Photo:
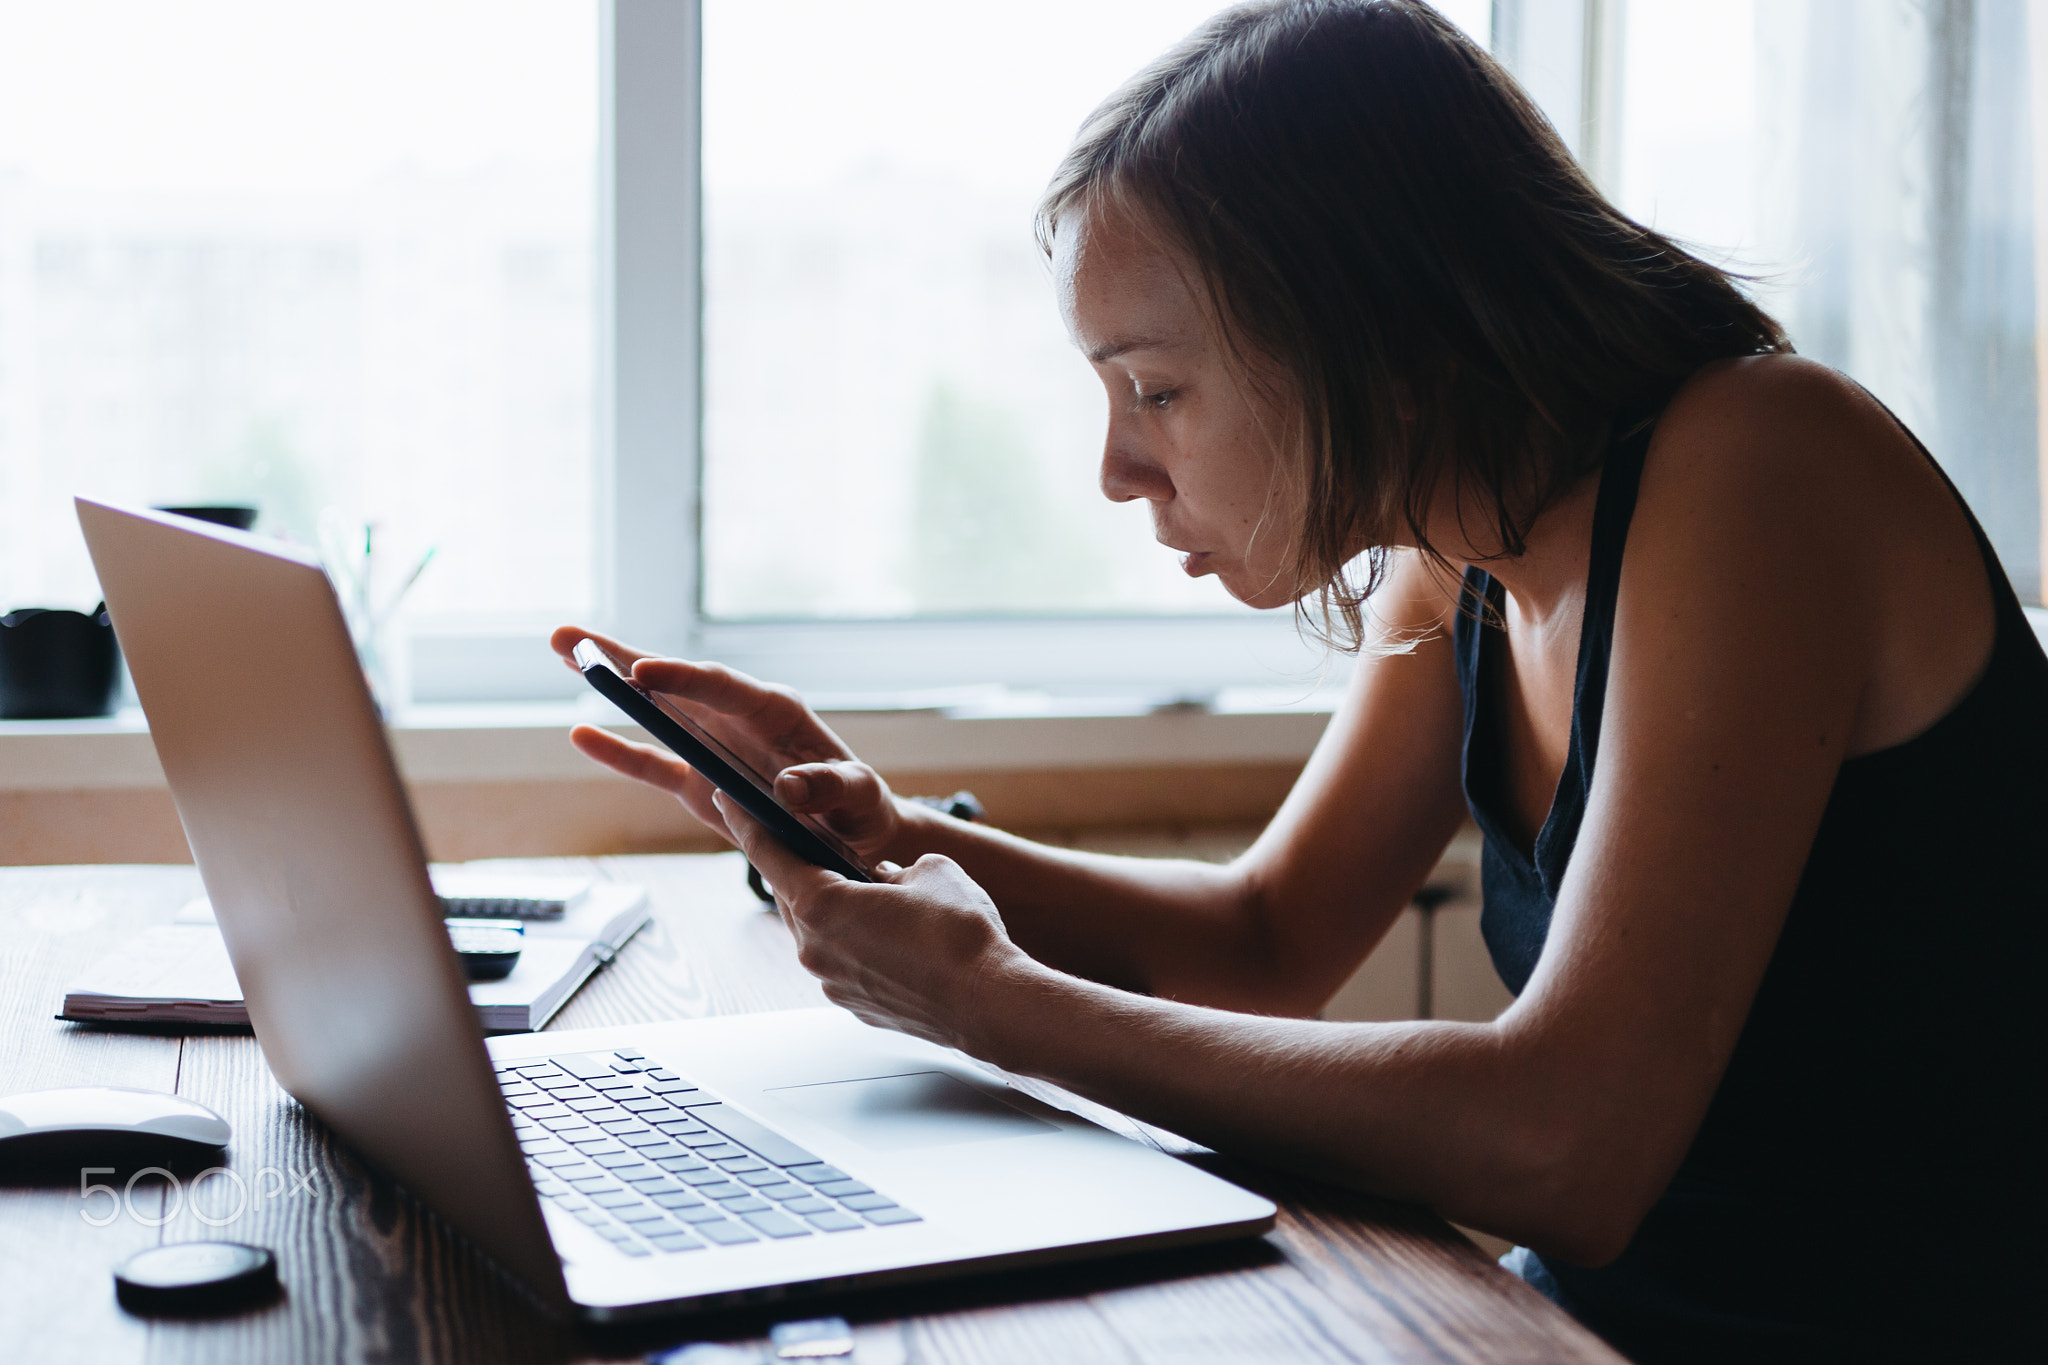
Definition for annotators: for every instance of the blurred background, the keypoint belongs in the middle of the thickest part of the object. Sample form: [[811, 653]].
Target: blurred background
[[312, 256]]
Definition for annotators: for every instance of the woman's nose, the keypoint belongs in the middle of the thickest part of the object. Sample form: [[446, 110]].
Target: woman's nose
[[1127, 476]]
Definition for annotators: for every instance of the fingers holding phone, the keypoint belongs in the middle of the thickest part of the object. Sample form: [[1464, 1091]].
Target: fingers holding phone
[[847, 795], [564, 639], [760, 729], [706, 751], [650, 764], [908, 951], [766, 724]]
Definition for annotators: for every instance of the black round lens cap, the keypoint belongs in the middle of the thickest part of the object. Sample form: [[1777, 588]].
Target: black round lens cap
[[195, 1277]]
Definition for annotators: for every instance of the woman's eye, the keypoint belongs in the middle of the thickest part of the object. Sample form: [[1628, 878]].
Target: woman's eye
[[1158, 398]]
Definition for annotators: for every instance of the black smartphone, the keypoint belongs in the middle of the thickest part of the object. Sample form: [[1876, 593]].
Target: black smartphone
[[697, 747]]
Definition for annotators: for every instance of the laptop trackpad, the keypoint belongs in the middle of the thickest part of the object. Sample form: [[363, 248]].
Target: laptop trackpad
[[922, 1109]]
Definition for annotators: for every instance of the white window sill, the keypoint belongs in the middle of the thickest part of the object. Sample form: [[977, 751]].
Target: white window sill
[[991, 729], [964, 729]]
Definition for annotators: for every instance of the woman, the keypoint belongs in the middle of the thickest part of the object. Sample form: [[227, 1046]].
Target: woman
[[1756, 794]]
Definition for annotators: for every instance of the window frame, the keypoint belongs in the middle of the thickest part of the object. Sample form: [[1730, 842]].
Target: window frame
[[648, 449], [1568, 55]]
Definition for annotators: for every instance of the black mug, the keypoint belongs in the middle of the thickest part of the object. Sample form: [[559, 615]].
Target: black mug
[[57, 665]]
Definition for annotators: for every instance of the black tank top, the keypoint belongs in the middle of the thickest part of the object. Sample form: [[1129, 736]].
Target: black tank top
[[1866, 1182]]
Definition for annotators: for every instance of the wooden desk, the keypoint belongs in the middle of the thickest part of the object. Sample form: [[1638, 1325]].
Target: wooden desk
[[369, 1277]]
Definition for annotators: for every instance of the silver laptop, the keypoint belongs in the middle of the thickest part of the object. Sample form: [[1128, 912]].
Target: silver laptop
[[616, 1172]]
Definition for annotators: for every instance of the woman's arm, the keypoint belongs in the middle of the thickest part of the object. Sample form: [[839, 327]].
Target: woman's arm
[[1278, 930], [1737, 679]]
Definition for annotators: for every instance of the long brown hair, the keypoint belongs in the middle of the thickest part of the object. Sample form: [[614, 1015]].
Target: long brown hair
[[1378, 211]]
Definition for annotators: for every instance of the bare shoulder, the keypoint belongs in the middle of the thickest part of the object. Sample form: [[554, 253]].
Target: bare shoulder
[[1798, 498], [1781, 425], [1753, 467]]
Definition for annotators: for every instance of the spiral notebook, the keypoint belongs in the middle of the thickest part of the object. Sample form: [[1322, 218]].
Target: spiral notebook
[[179, 973]]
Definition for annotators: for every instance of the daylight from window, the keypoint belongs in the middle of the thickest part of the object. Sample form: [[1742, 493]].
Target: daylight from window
[[308, 257], [895, 421]]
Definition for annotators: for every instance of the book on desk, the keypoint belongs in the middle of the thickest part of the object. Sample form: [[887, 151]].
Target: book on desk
[[179, 973]]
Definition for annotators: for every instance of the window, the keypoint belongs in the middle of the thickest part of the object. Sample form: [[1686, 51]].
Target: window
[[895, 422], [439, 267], [308, 257], [896, 427]]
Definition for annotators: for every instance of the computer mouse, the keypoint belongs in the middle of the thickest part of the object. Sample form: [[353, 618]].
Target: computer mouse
[[105, 1120]]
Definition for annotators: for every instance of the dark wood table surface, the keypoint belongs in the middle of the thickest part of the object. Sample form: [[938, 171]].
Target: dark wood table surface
[[369, 1276]]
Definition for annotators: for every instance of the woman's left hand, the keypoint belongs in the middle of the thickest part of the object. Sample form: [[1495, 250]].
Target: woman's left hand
[[911, 951]]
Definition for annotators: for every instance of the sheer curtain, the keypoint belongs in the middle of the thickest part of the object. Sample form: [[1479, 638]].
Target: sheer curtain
[[1873, 163], [1896, 199]]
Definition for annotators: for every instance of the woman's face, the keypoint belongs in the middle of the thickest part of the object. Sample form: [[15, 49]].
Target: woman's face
[[1187, 432]]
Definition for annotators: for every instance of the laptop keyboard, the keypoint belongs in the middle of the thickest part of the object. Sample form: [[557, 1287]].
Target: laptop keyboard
[[655, 1165]]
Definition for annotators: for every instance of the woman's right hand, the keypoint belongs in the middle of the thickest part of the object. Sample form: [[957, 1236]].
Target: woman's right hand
[[768, 727]]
